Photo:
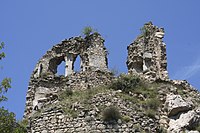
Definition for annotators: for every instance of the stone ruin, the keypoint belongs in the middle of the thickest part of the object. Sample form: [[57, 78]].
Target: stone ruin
[[45, 83], [147, 54], [146, 58], [91, 50]]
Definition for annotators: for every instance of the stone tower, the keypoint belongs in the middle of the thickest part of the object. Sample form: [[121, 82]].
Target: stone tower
[[45, 84], [147, 54]]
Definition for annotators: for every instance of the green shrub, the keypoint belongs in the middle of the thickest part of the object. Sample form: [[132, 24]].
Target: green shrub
[[198, 128], [23, 123], [137, 127], [128, 97], [111, 114], [125, 83], [8, 123], [153, 103], [71, 112], [87, 30], [114, 71], [150, 113], [126, 118], [66, 93]]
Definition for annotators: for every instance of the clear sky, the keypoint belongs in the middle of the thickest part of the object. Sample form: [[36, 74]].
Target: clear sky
[[30, 27]]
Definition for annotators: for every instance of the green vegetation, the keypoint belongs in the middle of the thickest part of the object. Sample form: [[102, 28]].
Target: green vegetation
[[4, 86], [126, 118], [8, 122], [125, 83], [147, 94], [137, 127], [144, 99], [180, 91], [66, 93], [128, 97], [114, 71], [152, 103], [2, 54], [150, 113], [87, 30], [111, 114], [197, 128], [78, 97], [162, 130], [23, 123], [5, 83], [144, 31]]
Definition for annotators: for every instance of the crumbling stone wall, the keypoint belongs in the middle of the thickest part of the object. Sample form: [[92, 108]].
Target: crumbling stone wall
[[91, 49], [147, 54], [45, 83], [54, 120], [146, 58]]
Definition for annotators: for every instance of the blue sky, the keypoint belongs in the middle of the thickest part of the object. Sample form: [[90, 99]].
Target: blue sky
[[30, 28]]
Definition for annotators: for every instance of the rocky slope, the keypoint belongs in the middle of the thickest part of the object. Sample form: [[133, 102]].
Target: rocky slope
[[95, 101]]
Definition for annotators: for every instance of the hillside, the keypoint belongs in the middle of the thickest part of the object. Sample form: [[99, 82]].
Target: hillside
[[94, 100]]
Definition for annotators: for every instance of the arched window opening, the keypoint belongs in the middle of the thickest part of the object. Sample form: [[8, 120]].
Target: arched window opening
[[61, 69], [54, 63], [77, 64]]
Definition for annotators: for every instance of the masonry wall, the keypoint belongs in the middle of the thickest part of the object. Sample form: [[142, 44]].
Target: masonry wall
[[147, 54], [45, 84], [47, 113], [89, 120]]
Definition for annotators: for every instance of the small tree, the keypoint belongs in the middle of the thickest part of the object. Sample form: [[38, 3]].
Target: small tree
[[125, 83], [5, 83], [8, 122], [87, 30]]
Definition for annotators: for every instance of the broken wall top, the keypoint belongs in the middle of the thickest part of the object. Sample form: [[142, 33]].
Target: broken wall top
[[87, 48], [45, 84], [147, 54]]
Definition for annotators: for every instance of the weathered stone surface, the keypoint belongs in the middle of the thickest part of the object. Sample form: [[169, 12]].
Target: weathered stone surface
[[175, 104], [93, 124], [147, 54], [185, 121], [193, 132], [45, 84], [146, 58]]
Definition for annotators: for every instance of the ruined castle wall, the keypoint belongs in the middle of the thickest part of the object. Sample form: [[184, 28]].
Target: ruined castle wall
[[55, 120], [147, 54], [45, 84], [97, 59], [81, 111]]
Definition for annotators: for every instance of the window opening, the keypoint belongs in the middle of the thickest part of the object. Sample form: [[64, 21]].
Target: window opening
[[61, 69], [77, 64]]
